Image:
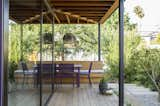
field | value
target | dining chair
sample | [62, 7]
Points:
[47, 72]
[65, 71]
[26, 72]
[88, 73]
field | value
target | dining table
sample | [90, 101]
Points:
[77, 68]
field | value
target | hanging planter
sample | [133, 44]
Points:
[47, 38]
[69, 38]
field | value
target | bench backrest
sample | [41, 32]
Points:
[97, 65]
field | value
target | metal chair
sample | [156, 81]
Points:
[88, 73]
[47, 71]
[26, 72]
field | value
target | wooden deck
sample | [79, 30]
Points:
[66, 95]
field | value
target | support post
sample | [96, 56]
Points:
[4, 52]
[121, 52]
[21, 41]
[1, 47]
[41, 41]
[99, 42]
[53, 67]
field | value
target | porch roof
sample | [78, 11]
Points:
[65, 11]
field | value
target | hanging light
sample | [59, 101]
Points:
[47, 37]
[69, 38]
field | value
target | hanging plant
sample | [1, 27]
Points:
[47, 37]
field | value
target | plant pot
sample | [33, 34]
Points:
[103, 86]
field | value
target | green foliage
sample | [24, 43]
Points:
[110, 43]
[12, 67]
[146, 67]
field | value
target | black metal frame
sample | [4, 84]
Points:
[4, 10]
[21, 41]
[99, 42]
[1, 49]
[121, 52]
[41, 41]
[53, 66]
[4, 51]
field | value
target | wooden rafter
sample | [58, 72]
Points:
[51, 11]
[110, 11]
[13, 19]
[48, 18]
[58, 20]
[34, 18]
[68, 19]
[74, 16]
[78, 20]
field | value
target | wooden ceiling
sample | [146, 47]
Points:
[63, 11]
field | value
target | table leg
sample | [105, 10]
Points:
[78, 78]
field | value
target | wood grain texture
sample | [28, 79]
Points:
[83, 96]
[28, 11]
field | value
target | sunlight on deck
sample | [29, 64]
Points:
[66, 95]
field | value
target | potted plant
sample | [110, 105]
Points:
[103, 85]
[12, 67]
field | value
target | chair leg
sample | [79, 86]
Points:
[73, 82]
[23, 81]
[90, 82]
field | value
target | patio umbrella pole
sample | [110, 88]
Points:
[121, 52]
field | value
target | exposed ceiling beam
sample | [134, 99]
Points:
[110, 11]
[81, 4]
[78, 20]
[33, 18]
[68, 20]
[75, 16]
[81, 0]
[48, 18]
[54, 11]
[58, 20]
[51, 11]
[13, 19]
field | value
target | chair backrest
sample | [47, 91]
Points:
[90, 67]
[46, 67]
[66, 67]
[24, 66]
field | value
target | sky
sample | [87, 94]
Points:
[151, 21]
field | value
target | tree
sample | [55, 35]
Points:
[139, 11]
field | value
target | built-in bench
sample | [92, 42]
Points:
[96, 72]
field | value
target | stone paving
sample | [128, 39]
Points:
[139, 96]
